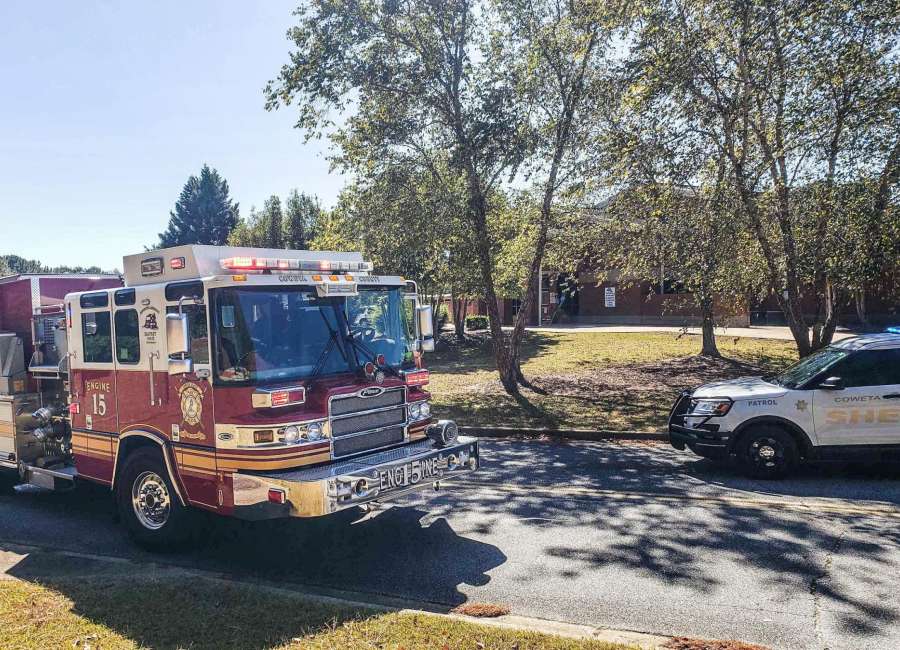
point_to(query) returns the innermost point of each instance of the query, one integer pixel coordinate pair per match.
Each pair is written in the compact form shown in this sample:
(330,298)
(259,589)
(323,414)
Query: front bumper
(701,435)
(381,476)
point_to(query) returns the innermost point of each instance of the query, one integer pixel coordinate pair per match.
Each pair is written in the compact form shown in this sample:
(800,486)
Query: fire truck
(253,383)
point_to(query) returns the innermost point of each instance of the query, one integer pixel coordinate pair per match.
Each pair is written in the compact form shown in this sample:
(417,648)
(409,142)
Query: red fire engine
(255,383)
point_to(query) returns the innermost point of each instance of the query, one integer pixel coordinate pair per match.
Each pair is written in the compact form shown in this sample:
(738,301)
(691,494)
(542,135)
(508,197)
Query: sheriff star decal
(801,405)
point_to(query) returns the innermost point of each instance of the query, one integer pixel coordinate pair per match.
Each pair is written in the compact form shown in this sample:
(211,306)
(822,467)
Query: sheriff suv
(841,403)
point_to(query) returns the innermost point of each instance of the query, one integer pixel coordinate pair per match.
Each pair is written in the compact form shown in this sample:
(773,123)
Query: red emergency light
(248,263)
(416,377)
(275,398)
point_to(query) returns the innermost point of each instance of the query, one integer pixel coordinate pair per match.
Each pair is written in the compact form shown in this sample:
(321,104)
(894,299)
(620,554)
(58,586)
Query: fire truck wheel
(148,504)
(8,481)
(768,452)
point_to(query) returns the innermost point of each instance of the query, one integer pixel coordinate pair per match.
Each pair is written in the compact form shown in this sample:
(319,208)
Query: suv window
(199,331)
(96,337)
(128,343)
(868,368)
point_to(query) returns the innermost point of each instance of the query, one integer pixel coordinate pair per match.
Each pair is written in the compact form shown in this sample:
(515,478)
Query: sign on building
(609,297)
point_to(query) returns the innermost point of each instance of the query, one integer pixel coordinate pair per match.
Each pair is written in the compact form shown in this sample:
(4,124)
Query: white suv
(843,402)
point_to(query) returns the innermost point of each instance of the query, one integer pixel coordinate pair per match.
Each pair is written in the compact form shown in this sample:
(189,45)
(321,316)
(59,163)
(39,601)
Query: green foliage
(476,322)
(12,264)
(204,212)
(291,227)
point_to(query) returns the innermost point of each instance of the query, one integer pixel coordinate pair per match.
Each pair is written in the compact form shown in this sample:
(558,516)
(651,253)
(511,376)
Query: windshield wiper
(323,356)
(362,347)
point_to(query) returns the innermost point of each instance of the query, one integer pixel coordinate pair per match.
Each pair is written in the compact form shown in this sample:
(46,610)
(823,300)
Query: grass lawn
(592,380)
(178,612)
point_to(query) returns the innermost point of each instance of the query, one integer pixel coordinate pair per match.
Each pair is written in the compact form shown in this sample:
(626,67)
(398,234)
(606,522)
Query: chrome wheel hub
(150,499)
(766,452)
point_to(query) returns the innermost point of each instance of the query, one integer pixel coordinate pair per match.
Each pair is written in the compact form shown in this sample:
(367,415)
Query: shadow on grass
(174,611)
(395,552)
(477,352)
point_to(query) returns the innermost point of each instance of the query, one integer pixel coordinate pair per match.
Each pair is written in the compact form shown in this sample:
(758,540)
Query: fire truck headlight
(314,431)
(425,410)
(414,410)
(291,435)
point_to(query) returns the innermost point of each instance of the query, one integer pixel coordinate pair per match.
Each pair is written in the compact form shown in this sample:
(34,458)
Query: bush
(477,322)
(443,316)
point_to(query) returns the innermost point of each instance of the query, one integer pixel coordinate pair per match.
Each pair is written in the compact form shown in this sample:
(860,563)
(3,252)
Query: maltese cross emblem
(801,405)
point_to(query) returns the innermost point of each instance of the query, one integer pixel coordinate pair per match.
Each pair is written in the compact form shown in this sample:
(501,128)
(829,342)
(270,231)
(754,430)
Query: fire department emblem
(801,405)
(191,404)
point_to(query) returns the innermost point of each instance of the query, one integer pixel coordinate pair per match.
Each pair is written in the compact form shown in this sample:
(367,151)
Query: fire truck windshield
(266,335)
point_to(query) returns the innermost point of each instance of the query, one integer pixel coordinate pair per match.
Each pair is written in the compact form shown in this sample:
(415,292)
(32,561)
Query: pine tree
(273,220)
(303,215)
(204,212)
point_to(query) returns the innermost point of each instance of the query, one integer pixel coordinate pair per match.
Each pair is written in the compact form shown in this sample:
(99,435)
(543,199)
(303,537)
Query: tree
(302,216)
(204,212)
(429,76)
(794,94)
(274,227)
(15,264)
(408,224)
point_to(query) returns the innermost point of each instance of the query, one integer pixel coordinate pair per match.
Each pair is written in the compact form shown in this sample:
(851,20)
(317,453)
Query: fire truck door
(95,426)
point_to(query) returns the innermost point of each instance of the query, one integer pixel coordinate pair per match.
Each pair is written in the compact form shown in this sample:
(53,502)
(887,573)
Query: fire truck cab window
(199,331)
(96,337)
(128,343)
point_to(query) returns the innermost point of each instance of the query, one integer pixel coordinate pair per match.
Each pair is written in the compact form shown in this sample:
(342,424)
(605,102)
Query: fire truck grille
(363,423)
(367,421)
(374,440)
(354,404)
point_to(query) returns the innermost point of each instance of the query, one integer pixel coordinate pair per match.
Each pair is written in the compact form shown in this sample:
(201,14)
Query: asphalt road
(622,535)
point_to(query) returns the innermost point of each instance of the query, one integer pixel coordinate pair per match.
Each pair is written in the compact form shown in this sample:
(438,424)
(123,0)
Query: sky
(107,108)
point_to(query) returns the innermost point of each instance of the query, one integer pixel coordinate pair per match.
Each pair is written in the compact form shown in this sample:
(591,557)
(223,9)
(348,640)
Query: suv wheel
(768,452)
(148,504)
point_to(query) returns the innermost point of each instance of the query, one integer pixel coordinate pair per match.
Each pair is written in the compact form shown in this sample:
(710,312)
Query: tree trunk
(710,349)
(860,302)
(459,307)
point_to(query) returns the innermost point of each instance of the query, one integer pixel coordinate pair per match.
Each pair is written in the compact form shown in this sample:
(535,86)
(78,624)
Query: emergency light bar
(280,264)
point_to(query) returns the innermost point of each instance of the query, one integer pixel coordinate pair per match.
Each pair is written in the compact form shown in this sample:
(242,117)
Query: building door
(866,411)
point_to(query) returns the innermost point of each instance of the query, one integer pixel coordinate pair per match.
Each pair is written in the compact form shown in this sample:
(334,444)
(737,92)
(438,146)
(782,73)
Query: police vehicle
(840,403)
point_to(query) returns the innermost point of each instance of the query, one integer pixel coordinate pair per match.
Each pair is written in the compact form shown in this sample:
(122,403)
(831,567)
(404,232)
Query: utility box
(12,364)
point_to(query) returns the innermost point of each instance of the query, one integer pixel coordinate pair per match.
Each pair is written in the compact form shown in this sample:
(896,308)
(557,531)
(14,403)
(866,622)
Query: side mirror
(181,366)
(178,339)
(90,324)
(832,383)
(426,328)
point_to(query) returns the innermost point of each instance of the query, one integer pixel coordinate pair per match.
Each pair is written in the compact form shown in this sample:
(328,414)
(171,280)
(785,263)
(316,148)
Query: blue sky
(108,107)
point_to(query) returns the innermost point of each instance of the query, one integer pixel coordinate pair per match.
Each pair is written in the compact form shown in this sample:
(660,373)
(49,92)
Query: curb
(358,600)
(557,628)
(564,434)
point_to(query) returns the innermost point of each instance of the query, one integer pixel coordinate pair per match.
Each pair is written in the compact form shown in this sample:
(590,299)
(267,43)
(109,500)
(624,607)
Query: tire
(8,481)
(768,452)
(148,503)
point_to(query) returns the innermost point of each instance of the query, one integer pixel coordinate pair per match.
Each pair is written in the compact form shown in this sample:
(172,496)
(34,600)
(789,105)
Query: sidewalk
(758,332)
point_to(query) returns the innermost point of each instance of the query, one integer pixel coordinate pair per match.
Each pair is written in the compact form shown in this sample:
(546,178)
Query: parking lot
(624,535)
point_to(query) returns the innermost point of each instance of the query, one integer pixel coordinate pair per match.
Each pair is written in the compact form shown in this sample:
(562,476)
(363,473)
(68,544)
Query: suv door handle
(892,396)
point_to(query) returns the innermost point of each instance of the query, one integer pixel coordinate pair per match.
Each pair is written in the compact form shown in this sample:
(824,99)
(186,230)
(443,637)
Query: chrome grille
(353,404)
(365,423)
(374,440)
